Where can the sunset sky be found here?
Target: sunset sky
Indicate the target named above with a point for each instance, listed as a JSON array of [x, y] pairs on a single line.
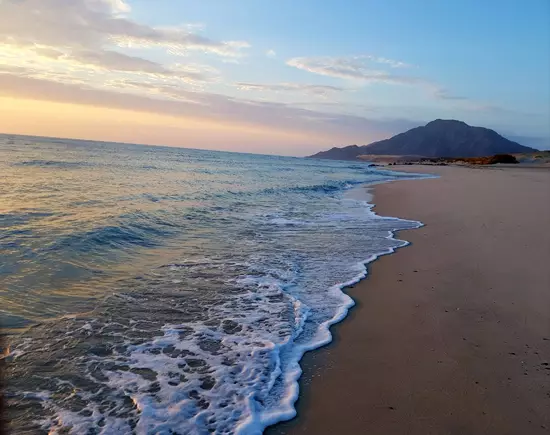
[[283, 77]]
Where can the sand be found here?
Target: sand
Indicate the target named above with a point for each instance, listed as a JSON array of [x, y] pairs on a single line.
[[450, 335]]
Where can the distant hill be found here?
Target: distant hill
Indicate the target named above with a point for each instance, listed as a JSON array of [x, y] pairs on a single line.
[[439, 138], [350, 152]]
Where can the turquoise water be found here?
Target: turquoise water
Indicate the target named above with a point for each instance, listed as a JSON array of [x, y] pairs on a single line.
[[164, 290]]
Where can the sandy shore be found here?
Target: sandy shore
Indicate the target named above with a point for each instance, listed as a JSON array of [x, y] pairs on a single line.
[[450, 335]]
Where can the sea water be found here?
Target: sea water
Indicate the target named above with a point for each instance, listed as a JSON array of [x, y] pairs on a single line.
[[172, 291]]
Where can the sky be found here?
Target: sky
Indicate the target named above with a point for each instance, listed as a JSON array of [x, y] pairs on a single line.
[[288, 77]]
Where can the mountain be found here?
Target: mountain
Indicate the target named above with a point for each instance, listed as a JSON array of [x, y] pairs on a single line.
[[439, 138]]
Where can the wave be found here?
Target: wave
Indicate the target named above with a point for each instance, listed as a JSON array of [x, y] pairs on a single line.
[[131, 230], [22, 217], [327, 187], [58, 164]]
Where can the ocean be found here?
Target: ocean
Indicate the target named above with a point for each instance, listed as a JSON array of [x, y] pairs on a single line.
[[172, 291]]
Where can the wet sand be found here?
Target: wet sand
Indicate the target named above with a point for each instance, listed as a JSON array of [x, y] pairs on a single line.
[[450, 335]]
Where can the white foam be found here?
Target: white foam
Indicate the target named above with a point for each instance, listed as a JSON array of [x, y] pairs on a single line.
[[286, 409]]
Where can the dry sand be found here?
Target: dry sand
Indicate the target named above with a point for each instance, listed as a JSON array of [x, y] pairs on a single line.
[[450, 335]]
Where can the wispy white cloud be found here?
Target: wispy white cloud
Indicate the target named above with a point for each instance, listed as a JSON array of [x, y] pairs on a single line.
[[115, 61], [358, 68], [95, 26], [370, 69], [80, 41], [444, 94], [102, 65], [316, 90], [180, 42], [383, 60], [271, 53]]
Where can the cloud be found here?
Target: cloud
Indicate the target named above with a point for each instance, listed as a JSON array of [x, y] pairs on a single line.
[[443, 94], [115, 61], [271, 53], [81, 41], [382, 60], [112, 60], [97, 67], [357, 68], [361, 69], [180, 43], [316, 90], [95, 25], [119, 6], [48, 52]]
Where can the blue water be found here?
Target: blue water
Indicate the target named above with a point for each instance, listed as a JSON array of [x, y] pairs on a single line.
[[164, 290]]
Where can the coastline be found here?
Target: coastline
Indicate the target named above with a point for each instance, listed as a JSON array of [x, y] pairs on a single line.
[[450, 335]]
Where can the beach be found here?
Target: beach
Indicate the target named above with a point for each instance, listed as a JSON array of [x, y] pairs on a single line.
[[450, 335]]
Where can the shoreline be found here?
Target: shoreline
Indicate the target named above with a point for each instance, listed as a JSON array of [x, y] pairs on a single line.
[[421, 352], [290, 411]]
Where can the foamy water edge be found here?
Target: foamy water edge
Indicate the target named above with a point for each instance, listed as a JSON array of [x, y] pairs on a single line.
[[292, 377]]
